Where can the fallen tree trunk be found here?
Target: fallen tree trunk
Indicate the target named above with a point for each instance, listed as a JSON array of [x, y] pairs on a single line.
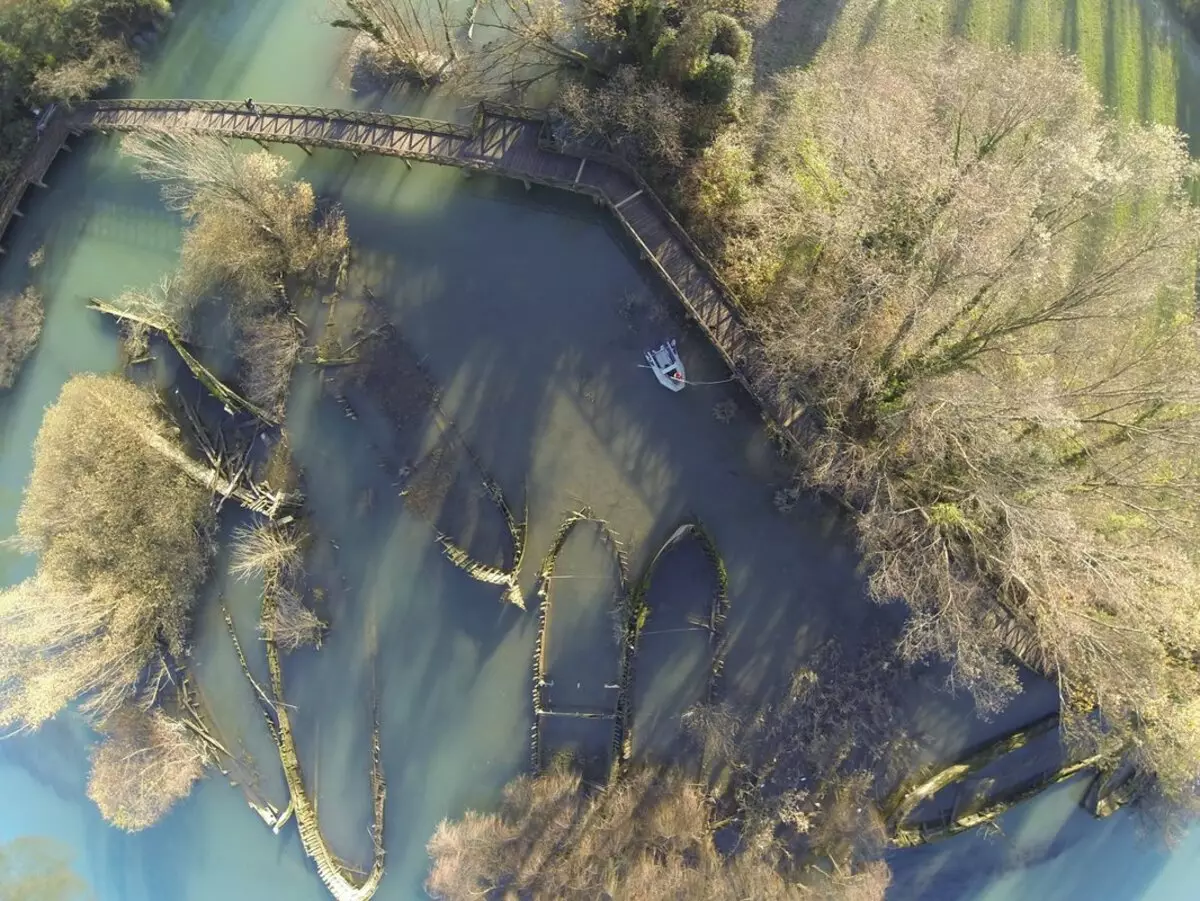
[[256, 498], [240, 773], [905, 800], [271, 504], [222, 392], [924, 833]]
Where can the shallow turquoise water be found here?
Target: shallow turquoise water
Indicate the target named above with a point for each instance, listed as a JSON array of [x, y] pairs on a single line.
[[516, 303]]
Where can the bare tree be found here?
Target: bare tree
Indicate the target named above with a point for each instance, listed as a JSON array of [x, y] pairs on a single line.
[[408, 38], [803, 775], [648, 835], [293, 622], [531, 40], [522, 42], [261, 549], [146, 762], [21, 318], [109, 60], [120, 528], [269, 350], [251, 225], [167, 306], [644, 120], [982, 286]]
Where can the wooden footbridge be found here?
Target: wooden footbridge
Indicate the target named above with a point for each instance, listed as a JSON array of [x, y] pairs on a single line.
[[511, 142]]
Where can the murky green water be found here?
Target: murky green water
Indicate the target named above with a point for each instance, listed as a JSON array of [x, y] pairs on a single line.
[[530, 313]]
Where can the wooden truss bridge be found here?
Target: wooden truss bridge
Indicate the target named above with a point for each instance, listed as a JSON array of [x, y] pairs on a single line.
[[511, 142]]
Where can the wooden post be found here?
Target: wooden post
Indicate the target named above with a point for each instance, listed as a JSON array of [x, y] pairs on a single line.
[[265, 146], [39, 184], [305, 149], [627, 199], [525, 182], [18, 214], [407, 162]]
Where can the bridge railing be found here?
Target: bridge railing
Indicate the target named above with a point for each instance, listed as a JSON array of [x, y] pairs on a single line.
[[513, 111], [549, 141], [354, 117]]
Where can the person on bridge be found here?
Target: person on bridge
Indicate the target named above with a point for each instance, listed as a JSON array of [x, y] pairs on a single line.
[[250, 105]]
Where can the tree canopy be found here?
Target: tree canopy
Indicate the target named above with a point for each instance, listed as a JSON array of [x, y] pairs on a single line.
[[982, 286], [120, 530]]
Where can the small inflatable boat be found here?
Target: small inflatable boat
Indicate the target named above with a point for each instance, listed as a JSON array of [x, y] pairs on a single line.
[[667, 366]]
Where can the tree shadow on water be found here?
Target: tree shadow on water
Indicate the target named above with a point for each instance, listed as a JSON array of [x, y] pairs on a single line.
[[675, 650]]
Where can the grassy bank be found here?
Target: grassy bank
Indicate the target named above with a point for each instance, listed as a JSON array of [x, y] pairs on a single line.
[[1125, 55]]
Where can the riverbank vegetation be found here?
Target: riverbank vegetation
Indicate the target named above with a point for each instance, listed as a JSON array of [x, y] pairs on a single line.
[[679, 64], [146, 762], [21, 317], [62, 51], [650, 835]]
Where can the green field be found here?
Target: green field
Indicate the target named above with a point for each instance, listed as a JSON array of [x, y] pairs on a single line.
[[1127, 57]]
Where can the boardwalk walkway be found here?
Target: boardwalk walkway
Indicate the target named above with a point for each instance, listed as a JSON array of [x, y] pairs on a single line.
[[506, 141], [32, 170]]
